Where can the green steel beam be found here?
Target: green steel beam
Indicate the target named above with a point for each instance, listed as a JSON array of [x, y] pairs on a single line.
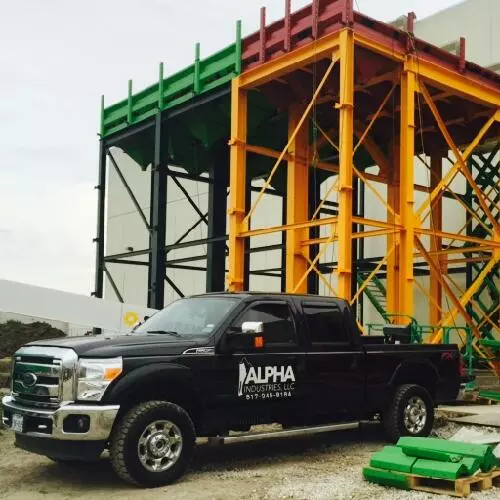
[[202, 76]]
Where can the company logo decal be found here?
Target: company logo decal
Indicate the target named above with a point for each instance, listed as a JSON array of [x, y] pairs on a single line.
[[265, 382], [130, 318], [28, 379]]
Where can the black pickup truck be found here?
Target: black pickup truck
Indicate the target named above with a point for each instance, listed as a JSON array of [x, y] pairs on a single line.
[[212, 363]]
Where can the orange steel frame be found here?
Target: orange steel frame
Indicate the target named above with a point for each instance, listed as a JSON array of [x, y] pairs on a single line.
[[408, 237]]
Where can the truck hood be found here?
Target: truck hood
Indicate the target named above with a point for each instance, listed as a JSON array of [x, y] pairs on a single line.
[[123, 345]]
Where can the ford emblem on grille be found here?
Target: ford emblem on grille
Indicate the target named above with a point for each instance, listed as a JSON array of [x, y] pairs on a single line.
[[28, 379]]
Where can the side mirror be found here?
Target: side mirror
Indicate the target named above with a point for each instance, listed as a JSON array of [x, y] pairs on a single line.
[[246, 338], [252, 327]]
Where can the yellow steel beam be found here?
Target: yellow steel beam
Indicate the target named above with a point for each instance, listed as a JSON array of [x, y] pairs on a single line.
[[322, 278], [272, 153], [346, 120], [376, 223], [436, 290], [487, 318], [286, 227], [355, 236], [475, 306], [467, 86], [449, 251], [459, 237], [450, 175], [429, 296], [374, 117], [462, 166], [380, 48], [368, 143], [307, 54], [450, 262], [237, 182], [406, 175], [438, 200], [333, 187], [363, 177], [462, 229], [391, 76], [466, 297], [437, 337], [297, 201], [371, 275], [318, 256], [291, 137]]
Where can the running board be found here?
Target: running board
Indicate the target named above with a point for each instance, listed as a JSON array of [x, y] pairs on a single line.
[[298, 431]]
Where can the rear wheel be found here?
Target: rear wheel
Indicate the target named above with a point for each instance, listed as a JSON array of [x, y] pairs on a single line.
[[152, 444], [411, 413]]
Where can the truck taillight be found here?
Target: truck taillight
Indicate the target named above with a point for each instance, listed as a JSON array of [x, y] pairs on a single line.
[[463, 368]]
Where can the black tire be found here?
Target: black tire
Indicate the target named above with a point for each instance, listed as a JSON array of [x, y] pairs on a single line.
[[124, 444], [393, 418]]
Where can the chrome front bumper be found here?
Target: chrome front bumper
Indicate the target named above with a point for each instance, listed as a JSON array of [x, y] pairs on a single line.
[[49, 423]]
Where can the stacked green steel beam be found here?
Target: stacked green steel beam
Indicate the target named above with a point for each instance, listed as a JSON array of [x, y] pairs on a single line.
[[202, 76], [428, 457]]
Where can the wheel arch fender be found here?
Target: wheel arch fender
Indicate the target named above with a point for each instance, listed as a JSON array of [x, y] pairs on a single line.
[[421, 373], [168, 381]]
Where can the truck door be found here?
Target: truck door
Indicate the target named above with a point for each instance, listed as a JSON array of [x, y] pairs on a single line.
[[335, 363], [264, 382]]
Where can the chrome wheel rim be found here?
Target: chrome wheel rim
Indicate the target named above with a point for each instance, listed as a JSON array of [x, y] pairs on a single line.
[[159, 446], [415, 415]]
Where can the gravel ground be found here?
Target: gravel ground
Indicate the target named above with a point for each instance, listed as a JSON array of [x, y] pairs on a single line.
[[326, 466]]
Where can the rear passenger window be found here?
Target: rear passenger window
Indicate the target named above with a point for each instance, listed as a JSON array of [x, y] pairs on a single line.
[[325, 323]]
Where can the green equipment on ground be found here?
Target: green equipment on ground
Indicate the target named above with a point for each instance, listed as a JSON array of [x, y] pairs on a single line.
[[414, 460]]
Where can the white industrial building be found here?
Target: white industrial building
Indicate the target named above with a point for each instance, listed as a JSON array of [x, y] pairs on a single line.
[[125, 231]]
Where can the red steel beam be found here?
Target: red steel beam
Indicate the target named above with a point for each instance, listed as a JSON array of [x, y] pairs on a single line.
[[262, 36], [288, 26], [296, 29]]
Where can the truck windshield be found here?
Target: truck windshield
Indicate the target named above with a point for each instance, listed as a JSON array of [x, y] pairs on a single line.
[[195, 317]]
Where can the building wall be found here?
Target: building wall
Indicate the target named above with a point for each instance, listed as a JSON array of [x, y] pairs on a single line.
[[473, 19]]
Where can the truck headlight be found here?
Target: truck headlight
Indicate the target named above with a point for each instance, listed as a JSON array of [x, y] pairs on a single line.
[[95, 375]]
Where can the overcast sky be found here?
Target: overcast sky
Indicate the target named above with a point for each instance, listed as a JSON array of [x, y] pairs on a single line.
[[57, 58]]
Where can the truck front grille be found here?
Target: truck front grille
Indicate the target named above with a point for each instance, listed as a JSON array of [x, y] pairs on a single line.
[[43, 376]]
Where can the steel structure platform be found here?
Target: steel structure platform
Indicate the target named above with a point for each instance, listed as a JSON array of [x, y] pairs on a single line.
[[321, 97]]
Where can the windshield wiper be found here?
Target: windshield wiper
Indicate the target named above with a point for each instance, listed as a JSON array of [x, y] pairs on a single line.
[[167, 332]]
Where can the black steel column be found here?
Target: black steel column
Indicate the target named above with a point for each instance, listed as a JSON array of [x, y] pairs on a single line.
[[361, 245], [469, 277], [217, 211], [248, 255], [354, 244], [157, 257], [314, 201], [283, 242], [100, 237]]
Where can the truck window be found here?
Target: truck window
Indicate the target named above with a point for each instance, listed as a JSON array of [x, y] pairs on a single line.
[[325, 323], [278, 322]]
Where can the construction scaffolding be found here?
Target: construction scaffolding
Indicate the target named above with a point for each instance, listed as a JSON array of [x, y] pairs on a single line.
[[320, 109]]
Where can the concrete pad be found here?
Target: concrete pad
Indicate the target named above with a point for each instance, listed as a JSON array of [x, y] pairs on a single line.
[[466, 410], [489, 419], [471, 435]]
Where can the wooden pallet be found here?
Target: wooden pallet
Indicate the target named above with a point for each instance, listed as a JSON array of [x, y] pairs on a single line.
[[458, 487]]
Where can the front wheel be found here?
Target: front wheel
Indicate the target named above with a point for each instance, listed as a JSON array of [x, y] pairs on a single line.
[[411, 413], [152, 444]]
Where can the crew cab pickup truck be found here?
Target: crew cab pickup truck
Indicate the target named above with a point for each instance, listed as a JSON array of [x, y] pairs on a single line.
[[209, 364]]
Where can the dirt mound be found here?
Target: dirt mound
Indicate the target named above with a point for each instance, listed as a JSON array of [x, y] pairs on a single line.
[[14, 334]]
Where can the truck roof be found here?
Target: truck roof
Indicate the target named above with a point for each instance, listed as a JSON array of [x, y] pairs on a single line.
[[247, 294]]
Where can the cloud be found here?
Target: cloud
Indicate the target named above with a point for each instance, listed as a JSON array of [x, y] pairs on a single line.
[[58, 58]]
